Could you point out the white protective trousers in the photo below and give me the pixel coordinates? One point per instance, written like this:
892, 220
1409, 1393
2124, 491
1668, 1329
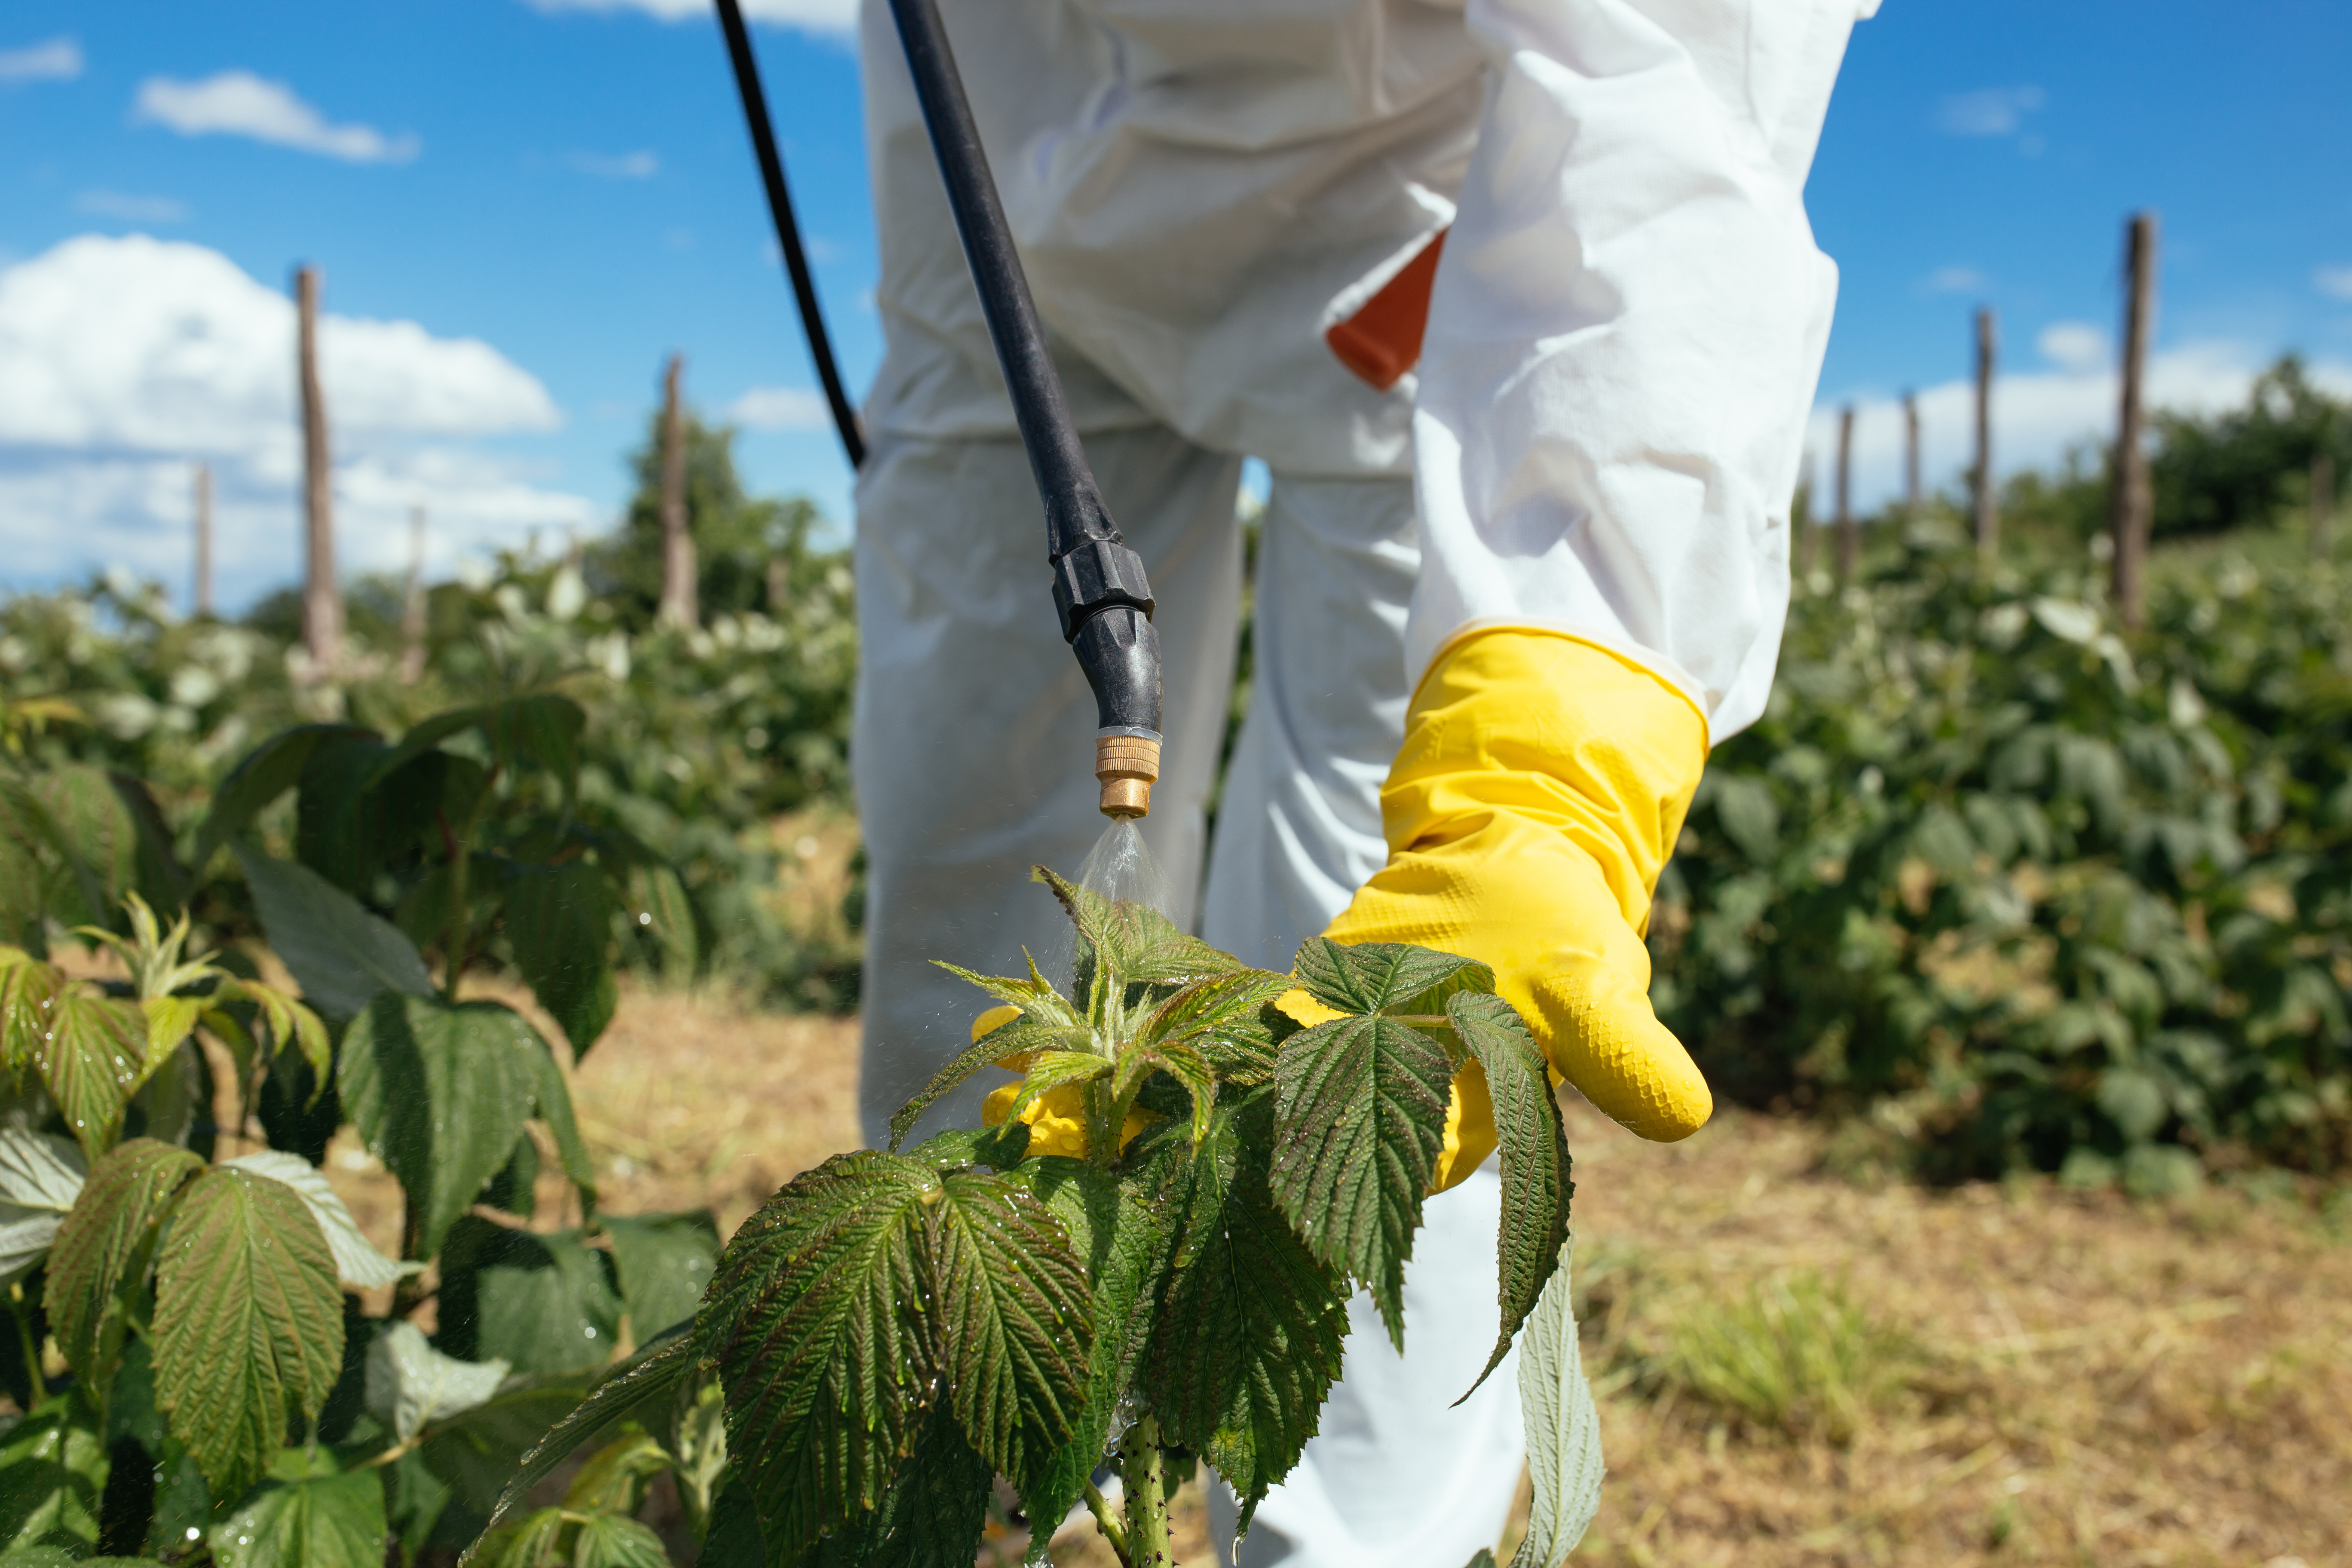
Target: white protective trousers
1602, 438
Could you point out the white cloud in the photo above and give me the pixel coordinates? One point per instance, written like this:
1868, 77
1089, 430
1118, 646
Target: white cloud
239, 103
2037, 416
131, 208
58, 59
839, 17
1957, 279
639, 165
123, 360
781, 408
1990, 112
2075, 346
2335, 282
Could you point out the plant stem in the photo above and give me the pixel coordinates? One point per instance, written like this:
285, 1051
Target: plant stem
29, 1346
1107, 1522
1140, 1469
453, 938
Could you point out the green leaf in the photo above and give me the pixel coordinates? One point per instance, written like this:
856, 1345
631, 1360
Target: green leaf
1011, 1317
342, 955
1221, 1017
633, 1390
411, 1385
543, 1303
267, 771
551, 1101
1047, 1021
290, 1022
30, 990
92, 1059
41, 1177
475, 1453
665, 1262
615, 1477
933, 1512
249, 1319
1563, 1428
357, 1262
1124, 1244
336, 821
609, 1541
1360, 1121
106, 1243
815, 1324
1536, 1186
441, 1094
559, 921
53, 1470
1248, 1327
324, 1521
1134, 942
1384, 976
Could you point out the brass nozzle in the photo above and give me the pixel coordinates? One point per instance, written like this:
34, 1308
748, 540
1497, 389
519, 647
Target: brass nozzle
1128, 765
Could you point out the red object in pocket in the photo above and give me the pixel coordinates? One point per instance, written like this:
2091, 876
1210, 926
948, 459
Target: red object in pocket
1382, 340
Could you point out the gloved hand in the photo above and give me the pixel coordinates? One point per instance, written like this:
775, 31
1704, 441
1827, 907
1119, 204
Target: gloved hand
1540, 787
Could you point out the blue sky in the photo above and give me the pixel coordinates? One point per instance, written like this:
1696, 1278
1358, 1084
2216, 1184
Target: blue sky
568, 182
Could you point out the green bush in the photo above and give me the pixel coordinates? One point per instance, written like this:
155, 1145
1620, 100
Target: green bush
2056, 899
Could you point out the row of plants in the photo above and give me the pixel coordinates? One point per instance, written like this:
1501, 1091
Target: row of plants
2033, 891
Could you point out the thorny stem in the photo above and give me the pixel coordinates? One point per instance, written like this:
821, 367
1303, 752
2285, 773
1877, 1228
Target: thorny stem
1107, 1522
1140, 1469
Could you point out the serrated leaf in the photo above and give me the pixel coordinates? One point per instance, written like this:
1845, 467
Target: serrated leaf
1134, 942
40, 1177
441, 1094
631, 1392
410, 1384
1359, 1124
815, 1324
559, 921
248, 1319
1385, 976
933, 1511
263, 774
1248, 1324
106, 1241
342, 956
665, 1262
1563, 1429
615, 1477
542, 1302
1056, 1069
1047, 1021
170, 1020
290, 1021
1536, 1185
609, 1541
28, 993
1124, 1245
357, 1263
1221, 1017
324, 1521
475, 1453
1011, 1319
55, 1466
93, 1057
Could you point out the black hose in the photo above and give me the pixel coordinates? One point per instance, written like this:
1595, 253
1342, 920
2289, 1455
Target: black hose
788, 231
1099, 588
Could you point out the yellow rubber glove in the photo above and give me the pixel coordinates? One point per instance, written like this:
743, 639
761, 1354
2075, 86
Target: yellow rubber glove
1540, 787
1057, 1118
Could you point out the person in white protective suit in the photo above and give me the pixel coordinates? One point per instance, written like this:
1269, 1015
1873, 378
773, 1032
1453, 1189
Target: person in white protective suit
1525, 551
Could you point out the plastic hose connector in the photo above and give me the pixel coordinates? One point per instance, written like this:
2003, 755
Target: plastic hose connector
1119, 651
1092, 576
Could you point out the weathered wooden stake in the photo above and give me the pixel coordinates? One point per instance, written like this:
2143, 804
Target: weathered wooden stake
1849, 534
677, 598
1911, 453
2323, 503
2129, 498
412, 603
322, 601
1987, 497
1802, 514
203, 605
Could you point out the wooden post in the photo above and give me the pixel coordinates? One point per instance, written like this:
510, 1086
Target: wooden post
412, 603
1849, 534
677, 598
203, 605
1911, 453
1802, 514
2129, 498
2322, 502
322, 602
1987, 497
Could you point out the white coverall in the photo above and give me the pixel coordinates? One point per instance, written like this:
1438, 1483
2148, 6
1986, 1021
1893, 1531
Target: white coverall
1602, 438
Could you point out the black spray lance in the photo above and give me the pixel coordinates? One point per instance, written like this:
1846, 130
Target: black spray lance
1100, 595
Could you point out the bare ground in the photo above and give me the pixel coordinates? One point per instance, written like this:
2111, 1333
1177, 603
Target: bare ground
2032, 1375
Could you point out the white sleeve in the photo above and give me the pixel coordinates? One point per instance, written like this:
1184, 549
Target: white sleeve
1624, 335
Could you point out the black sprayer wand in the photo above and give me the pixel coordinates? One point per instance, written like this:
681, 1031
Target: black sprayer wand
1100, 593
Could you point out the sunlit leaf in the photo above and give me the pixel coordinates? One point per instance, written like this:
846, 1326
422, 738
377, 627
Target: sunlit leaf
633, 1390
107, 1241
410, 1384
93, 1057
321, 1521
1563, 1430
40, 1178
1536, 1186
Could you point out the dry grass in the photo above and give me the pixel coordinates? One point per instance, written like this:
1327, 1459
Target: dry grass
1793, 1369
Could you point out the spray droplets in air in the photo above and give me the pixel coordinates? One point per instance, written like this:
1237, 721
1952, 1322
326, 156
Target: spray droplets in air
1120, 867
